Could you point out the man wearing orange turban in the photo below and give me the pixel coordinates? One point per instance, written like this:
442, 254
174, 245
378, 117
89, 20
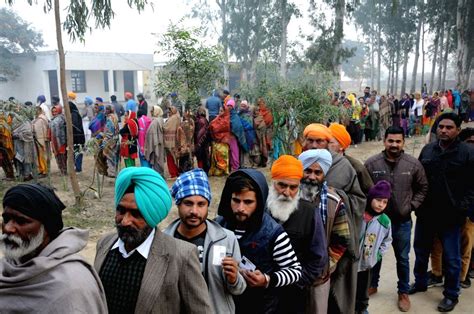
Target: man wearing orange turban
339, 144
341, 139
304, 228
316, 136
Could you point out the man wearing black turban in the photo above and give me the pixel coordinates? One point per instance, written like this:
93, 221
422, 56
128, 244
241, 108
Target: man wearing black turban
41, 258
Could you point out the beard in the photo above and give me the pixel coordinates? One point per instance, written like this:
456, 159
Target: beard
281, 207
14, 247
310, 189
131, 236
192, 221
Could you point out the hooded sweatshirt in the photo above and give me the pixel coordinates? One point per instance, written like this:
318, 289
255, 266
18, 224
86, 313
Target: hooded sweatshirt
58, 280
263, 243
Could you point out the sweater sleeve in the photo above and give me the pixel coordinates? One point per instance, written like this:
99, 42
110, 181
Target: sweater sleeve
240, 284
289, 267
339, 238
385, 245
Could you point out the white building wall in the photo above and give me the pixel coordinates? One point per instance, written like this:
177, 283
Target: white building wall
33, 78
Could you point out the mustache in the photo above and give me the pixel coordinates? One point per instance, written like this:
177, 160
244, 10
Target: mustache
132, 235
10, 239
311, 182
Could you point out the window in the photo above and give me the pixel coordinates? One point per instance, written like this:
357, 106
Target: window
106, 80
78, 81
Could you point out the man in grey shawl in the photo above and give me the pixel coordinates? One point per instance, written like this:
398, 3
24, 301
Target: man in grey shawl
343, 177
25, 152
41, 271
154, 141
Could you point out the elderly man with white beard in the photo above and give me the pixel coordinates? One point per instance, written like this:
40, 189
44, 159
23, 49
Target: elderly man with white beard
304, 228
41, 271
331, 209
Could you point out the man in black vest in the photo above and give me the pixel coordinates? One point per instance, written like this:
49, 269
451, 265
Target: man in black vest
304, 227
268, 259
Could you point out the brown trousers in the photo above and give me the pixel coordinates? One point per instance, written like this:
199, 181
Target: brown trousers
467, 241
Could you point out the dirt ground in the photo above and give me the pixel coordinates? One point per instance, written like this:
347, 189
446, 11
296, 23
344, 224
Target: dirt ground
98, 214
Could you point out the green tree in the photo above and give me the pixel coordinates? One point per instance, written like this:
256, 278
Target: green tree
76, 24
192, 67
16, 36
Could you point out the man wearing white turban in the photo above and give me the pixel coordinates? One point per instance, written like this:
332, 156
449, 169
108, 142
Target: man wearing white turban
314, 188
343, 178
140, 267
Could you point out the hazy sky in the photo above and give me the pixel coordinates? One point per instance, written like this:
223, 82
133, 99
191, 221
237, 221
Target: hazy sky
131, 31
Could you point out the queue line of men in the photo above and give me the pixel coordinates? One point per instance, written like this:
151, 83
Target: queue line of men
300, 244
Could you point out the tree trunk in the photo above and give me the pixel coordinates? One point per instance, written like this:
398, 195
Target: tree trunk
256, 45
284, 37
372, 61
392, 81
417, 55
340, 12
389, 74
225, 42
433, 63
423, 55
446, 53
62, 79
440, 51
404, 74
463, 64
379, 48
397, 65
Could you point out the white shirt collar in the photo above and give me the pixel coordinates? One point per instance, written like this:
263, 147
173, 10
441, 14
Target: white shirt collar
143, 249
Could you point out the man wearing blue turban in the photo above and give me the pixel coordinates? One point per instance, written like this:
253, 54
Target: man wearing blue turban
142, 269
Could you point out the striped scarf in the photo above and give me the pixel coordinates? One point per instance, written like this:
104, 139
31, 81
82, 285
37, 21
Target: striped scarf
323, 203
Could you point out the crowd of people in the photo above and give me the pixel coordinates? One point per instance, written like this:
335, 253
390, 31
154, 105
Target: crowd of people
310, 240
367, 116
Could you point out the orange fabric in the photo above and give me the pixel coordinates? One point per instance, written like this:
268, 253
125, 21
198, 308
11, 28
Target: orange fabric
317, 130
340, 134
287, 167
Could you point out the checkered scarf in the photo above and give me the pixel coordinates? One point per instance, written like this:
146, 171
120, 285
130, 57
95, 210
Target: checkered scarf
323, 203
194, 182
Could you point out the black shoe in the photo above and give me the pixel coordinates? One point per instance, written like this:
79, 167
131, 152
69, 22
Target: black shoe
471, 273
447, 305
434, 281
414, 289
466, 283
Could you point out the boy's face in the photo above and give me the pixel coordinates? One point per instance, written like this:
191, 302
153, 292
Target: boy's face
379, 204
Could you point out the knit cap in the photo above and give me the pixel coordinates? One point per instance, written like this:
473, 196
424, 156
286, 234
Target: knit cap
382, 189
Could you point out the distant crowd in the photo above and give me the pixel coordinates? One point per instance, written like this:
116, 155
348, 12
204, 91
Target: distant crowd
310, 239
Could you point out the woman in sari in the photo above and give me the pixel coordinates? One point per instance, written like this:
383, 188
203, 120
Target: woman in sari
263, 122
7, 152
110, 143
202, 140
170, 130
185, 143
154, 141
252, 156
129, 142
220, 133
41, 132
58, 138
143, 124
96, 126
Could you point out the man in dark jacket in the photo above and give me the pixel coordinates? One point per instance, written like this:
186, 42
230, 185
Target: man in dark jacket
409, 187
268, 258
142, 106
304, 227
77, 131
449, 167
118, 108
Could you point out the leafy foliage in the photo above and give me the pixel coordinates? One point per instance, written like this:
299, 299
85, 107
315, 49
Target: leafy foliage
16, 36
302, 99
192, 67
